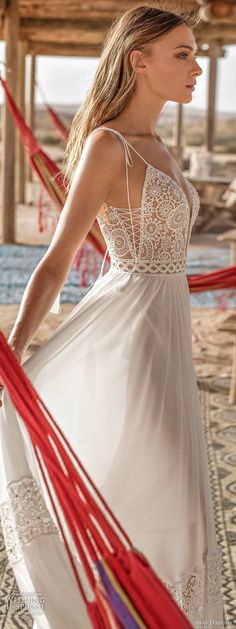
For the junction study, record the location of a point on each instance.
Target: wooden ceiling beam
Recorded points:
(68, 24)
(3, 7)
(226, 35)
(108, 16)
(66, 50)
(88, 34)
(205, 33)
(93, 31)
(72, 9)
(70, 31)
(69, 9)
(77, 50)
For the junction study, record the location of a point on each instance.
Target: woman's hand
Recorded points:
(18, 356)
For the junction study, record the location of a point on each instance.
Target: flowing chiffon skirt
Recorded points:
(118, 377)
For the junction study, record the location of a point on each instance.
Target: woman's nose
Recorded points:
(199, 69)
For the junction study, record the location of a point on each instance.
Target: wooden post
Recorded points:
(178, 131)
(229, 325)
(31, 111)
(20, 154)
(11, 27)
(215, 51)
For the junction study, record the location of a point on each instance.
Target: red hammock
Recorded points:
(64, 133)
(127, 592)
(45, 167)
(214, 280)
(57, 122)
(47, 171)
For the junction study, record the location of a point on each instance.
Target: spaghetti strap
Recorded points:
(125, 142)
(128, 162)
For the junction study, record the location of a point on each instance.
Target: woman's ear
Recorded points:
(136, 60)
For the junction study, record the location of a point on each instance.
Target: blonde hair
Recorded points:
(114, 80)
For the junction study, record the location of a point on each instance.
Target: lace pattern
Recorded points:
(24, 517)
(158, 241)
(193, 591)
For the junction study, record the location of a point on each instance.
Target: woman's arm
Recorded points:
(90, 187)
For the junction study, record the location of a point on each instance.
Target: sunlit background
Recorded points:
(65, 80)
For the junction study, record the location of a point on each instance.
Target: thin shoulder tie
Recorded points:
(127, 145)
(128, 162)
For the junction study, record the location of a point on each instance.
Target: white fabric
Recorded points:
(56, 307)
(118, 376)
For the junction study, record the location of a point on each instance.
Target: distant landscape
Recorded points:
(194, 126)
(194, 134)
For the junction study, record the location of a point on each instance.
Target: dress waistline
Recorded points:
(113, 269)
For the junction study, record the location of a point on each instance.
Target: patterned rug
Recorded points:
(219, 420)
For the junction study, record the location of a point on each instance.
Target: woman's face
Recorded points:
(171, 66)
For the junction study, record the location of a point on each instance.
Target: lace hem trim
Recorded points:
(194, 591)
(24, 517)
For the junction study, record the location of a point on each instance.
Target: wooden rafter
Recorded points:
(79, 26)
(72, 9)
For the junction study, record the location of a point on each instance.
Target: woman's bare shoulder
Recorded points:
(105, 146)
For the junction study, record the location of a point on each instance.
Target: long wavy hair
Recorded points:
(114, 80)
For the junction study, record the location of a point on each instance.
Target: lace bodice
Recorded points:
(154, 237)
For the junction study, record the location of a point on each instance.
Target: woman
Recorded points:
(118, 374)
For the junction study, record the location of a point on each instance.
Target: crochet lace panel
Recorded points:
(158, 240)
(195, 591)
(25, 517)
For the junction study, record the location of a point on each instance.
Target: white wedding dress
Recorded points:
(118, 377)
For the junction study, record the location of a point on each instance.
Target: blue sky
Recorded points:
(65, 80)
